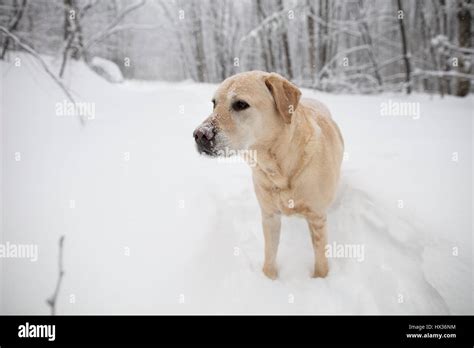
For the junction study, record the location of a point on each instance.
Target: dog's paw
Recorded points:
(271, 272)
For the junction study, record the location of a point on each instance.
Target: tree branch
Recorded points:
(341, 54)
(437, 73)
(133, 27)
(106, 32)
(41, 61)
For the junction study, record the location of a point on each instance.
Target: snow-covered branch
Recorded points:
(339, 55)
(443, 41)
(110, 28)
(133, 27)
(270, 22)
(437, 73)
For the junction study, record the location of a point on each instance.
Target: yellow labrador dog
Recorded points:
(296, 146)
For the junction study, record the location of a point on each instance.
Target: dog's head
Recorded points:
(249, 108)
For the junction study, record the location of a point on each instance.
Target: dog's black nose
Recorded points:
(203, 136)
(204, 133)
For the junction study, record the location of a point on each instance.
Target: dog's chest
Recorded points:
(288, 201)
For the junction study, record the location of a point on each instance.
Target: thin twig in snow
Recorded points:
(53, 299)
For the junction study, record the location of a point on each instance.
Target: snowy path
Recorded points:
(168, 226)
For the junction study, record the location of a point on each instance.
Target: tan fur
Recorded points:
(299, 151)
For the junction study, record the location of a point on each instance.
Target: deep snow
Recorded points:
(152, 227)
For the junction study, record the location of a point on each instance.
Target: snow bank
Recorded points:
(107, 69)
(152, 227)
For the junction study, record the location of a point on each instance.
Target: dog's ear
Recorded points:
(285, 94)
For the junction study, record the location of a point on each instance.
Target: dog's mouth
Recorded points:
(207, 151)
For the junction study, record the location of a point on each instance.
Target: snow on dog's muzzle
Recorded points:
(204, 135)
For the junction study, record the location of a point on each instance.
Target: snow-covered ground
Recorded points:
(152, 227)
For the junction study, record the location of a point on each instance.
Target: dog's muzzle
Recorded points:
(204, 136)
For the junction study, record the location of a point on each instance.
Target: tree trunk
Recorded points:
(265, 44)
(323, 34)
(199, 45)
(406, 58)
(445, 32)
(218, 38)
(68, 35)
(286, 46)
(367, 39)
(464, 38)
(78, 52)
(74, 44)
(311, 38)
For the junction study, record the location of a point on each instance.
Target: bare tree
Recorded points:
(323, 31)
(464, 38)
(12, 26)
(310, 23)
(265, 40)
(367, 40)
(406, 58)
(197, 33)
(286, 45)
(72, 34)
(414, 52)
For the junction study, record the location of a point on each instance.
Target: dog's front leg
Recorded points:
(317, 227)
(271, 232)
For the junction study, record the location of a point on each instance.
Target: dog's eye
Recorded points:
(240, 105)
(213, 103)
